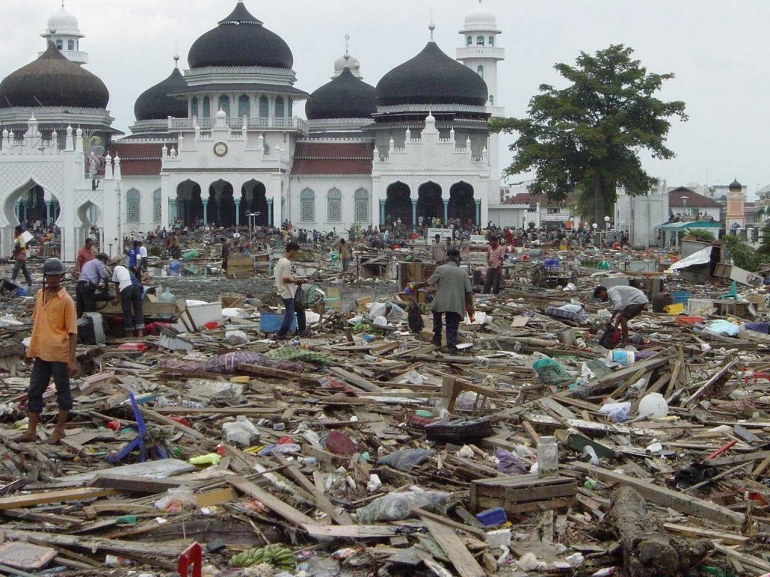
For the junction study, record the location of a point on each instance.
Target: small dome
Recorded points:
(344, 97)
(156, 104)
(735, 185)
(432, 77)
(64, 23)
(240, 40)
(221, 114)
(480, 19)
(347, 61)
(52, 80)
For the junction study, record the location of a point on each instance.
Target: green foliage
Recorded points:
(744, 255)
(586, 138)
(764, 247)
(702, 235)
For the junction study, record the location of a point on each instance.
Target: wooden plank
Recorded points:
(736, 459)
(728, 538)
(351, 531)
(356, 380)
(96, 544)
(712, 382)
(606, 382)
(529, 507)
(664, 497)
(164, 420)
(741, 557)
(61, 496)
(135, 484)
(273, 503)
(465, 563)
(476, 532)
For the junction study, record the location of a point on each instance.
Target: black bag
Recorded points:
(299, 299)
(611, 337)
(416, 323)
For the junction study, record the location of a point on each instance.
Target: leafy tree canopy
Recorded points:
(586, 138)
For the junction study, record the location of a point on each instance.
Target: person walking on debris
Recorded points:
(628, 302)
(93, 272)
(20, 256)
(346, 253)
(85, 254)
(287, 285)
(51, 350)
(495, 256)
(438, 250)
(225, 253)
(454, 295)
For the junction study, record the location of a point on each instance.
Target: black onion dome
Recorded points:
(156, 104)
(735, 185)
(432, 77)
(53, 80)
(344, 97)
(240, 40)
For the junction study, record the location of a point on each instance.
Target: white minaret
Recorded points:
(481, 53)
(63, 31)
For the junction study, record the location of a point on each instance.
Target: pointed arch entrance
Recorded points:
(462, 204)
(429, 203)
(398, 205)
(254, 200)
(189, 205)
(221, 204)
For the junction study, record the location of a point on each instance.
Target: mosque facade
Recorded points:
(219, 143)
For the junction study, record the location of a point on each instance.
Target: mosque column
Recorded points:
(382, 211)
(270, 219)
(48, 212)
(414, 213)
(18, 210)
(205, 211)
(238, 212)
(171, 210)
(446, 211)
(478, 212)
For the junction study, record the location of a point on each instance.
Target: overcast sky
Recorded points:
(717, 49)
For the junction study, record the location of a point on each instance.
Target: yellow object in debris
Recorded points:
(241, 379)
(675, 309)
(210, 459)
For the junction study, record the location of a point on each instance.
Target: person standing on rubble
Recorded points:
(454, 296)
(20, 256)
(85, 254)
(495, 256)
(287, 285)
(128, 287)
(51, 350)
(345, 252)
(225, 253)
(628, 302)
(438, 251)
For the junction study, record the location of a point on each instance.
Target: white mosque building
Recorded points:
(220, 141)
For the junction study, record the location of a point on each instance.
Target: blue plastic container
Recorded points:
(681, 296)
(271, 322)
(551, 264)
(491, 517)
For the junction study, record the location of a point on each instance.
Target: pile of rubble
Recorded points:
(362, 449)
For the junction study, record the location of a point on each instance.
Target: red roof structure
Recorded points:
(328, 158)
(138, 158)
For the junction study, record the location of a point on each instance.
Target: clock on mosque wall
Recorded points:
(220, 149)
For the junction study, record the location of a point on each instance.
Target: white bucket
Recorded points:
(621, 357)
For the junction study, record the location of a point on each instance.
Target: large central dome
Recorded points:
(240, 40)
(431, 77)
(52, 80)
(156, 104)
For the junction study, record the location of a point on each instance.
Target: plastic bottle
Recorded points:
(547, 457)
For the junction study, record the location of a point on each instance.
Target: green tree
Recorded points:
(586, 138)
(744, 256)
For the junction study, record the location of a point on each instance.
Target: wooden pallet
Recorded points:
(523, 493)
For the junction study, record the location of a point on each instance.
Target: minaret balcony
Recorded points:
(492, 52)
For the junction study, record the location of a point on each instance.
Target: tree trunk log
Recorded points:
(648, 551)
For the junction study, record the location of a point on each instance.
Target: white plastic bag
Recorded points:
(236, 338)
(241, 432)
(176, 500)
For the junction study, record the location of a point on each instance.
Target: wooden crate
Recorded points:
(240, 267)
(523, 493)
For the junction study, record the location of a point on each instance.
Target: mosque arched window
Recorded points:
(264, 106)
(59, 44)
(334, 205)
(224, 104)
(133, 206)
(307, 205)
(156, 206)
(291, 112)
(491, 40)
(70, 45)
(244, 106)
(362, 205)
(480, 70)
(194, 106)
(469, 41)
(206, 107)
(491, 100)
(479, 41)
(279, 107)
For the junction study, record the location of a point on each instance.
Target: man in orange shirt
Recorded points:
(85, 254)
(52, 351)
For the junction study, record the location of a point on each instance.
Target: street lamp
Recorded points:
(684, 204)
(606, 223)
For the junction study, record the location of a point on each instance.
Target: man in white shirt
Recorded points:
(286, 284)
(142, 265)
(130, 290)
(628, 302)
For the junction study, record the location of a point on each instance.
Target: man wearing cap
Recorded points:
(628, 302)
(454, 295)
(91, 275)
(85, 254)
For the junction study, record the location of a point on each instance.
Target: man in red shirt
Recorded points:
(495, 256)
(85, 254)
